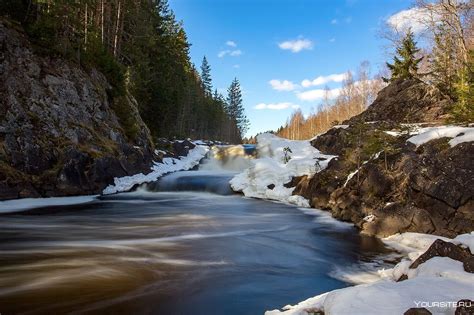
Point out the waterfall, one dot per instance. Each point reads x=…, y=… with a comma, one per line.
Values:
x=212, y=175
x=232, y=158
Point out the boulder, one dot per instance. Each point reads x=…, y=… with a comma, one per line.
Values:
x=417, y=311
x=464, y=307
x=441, y=248
x=181, y=148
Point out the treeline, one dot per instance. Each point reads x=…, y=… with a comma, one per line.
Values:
x=354, y=97
x=142, y=50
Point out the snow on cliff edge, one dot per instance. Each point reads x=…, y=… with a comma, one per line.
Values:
x=270, y=169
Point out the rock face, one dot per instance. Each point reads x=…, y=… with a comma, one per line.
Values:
x=407, y=101
x=59, y=134
x=384, y=184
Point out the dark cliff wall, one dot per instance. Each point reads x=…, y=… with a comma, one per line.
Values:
x=59, y=133
x=398, y=187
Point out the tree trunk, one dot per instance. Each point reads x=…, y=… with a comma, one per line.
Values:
x=117, y=26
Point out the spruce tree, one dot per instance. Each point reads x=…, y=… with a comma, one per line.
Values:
x=405, y=63
x=235, y=108
x=463, y=109
x=206, y=76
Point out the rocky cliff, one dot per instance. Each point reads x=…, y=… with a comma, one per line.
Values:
x=387, y=185
x=59, y=131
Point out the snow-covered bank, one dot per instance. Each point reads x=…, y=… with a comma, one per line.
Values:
x=269, y=172
x=436, y=284
x=16, y=205
x=169, y=165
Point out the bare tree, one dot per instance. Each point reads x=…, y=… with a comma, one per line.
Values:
x=354, y=97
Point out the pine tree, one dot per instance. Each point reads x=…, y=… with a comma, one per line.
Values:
x=405, y=63
x=206, y=76
x=235, y=109
x=463, y=109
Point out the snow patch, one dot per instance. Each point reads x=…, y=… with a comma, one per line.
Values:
x=458, y=135
x=299, y=201
x=369, y=218
x=466, y=240
x=341, y=126
x=158, y=152
x=393, y=133
x=169, y=165
x=349, y=177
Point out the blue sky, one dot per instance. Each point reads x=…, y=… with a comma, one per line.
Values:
x=294, y=40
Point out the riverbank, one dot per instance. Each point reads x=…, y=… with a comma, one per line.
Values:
x=121, y=184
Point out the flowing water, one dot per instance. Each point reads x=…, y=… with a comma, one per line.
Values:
x=183, y=245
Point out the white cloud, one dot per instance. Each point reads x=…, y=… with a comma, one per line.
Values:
x=231, y=43
x=324, y=79
x=416, y=18
x=233, y=53
x=284, y=85
x=334, y=21
x=296, y=45
x=277, y=106
x=332, y=40
x=313, y=95
x=236, y=66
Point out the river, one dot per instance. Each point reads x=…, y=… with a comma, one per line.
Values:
x=183, y=245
